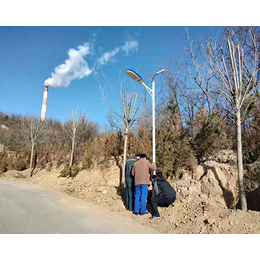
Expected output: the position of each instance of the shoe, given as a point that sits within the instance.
(144, 213)
(154, 217)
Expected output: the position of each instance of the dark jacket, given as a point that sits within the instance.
(128, 166)
(163, 189)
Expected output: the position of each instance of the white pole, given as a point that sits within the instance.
(153, 99)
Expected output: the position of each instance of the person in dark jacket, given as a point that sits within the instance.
(163, 195)
(129, 182)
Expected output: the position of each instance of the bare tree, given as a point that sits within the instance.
(130, 111)
(128, 116)
(32, 129)
(126, 113)
(238, 74)
(70, 129)
(198, 70)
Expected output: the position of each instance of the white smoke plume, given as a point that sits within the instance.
(104, 59)
(76, 67)
(127, 47)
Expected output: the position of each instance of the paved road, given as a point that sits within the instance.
(26, 209)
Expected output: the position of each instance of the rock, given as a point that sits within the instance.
(205, 186)
(104, 192)
(211, 221)
(86, 184)
(113, 182)
(184, 193)
(185, 176)
(206, 221)
(231, 223)
(200, 172)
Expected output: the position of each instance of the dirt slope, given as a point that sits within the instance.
(195, 211)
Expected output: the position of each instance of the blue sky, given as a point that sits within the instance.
(29, 56)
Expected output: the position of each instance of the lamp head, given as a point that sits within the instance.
(135, 76)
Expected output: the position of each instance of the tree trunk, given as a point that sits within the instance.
(242, 193)
(32, 151)
(124, 157)
(208, 101)
(72, 149)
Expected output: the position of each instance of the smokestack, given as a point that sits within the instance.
(44, 104)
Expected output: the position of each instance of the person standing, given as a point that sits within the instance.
(129, 182)
(141, 175)
(163, 195)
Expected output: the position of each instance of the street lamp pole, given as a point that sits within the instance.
(135, 76)
(153, 114)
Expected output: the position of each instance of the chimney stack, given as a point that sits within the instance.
(44, 104)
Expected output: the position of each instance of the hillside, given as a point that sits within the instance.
(205, 204)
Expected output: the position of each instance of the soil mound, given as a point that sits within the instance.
(204, 204)
(14, 174)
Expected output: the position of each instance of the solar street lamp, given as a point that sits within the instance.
(135, 76)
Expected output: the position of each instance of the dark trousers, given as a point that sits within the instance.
(129, 193)
(158, 201)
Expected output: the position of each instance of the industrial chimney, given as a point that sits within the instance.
(44, 104)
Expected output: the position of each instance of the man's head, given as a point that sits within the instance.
(143, 155)
(153, 177)
(138, 155)
(158, 174)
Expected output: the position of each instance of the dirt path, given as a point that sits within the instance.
(26, 209)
